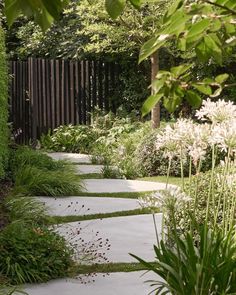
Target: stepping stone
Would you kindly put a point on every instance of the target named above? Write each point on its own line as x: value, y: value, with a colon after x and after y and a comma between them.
x: 129, y: 234
x: 88, y: 169
x: 74, y: 158
x: 131, y: 283
x: 87, y: 205
x: 120, y: 185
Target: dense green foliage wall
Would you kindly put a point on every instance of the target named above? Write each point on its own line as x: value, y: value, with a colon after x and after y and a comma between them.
x: 3, y: 106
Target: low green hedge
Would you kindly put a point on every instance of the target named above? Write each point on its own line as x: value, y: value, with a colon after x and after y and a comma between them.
x: 3, y: 106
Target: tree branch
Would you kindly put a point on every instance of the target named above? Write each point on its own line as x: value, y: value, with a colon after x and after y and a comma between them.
x: 232, y: 11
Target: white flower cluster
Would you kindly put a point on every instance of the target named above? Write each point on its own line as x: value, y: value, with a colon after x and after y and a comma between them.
x: 161, y: 199
x: 186, y: 138
x: 217, y: 112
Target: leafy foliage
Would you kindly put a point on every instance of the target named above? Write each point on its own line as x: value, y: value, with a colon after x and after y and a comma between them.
x: 207, y: 31
x: 70, y: 138
x: 88, y: 31
x: 43, y: 11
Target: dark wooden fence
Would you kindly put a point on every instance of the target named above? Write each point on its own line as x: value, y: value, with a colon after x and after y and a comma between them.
x: 47, y: 93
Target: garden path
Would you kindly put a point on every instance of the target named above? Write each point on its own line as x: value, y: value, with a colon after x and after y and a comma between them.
x: 126, y: 234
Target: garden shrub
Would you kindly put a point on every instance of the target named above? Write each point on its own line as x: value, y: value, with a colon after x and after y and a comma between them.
x: 117, y: 149
x: 32, y: 253
x: 77, y: 139
x: 3, y: 106
x: 152, y: 161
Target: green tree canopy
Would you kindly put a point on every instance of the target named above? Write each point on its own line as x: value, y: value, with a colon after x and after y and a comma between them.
x: 85, y: 29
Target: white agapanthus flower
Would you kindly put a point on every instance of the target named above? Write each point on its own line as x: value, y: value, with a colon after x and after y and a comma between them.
x: 151, y: 201
x: 159, y: 199
x: 184, y: 138
x: 175, y: 139
x: 217, y: 112
x: 167, y: 141
x: 198, y: 147
x: 224, y: 136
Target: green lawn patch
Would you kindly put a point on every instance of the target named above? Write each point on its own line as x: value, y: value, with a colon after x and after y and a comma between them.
x: 73, y: 218
x: 90, y: 176
x: 125, y: 195
x: 110, y: 267
x: 163, y: 179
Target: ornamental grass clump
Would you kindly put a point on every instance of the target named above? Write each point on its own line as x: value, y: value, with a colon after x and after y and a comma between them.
x: 197, y: 252
x: 35, y: 173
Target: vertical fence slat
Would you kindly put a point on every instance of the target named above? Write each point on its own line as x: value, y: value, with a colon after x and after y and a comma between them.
x: 106, y: 87
x: 88, y: 92
x: 72, y: 93
x: 52, y: 71
x: 93, y: 85
x: 77, y: 93
x: 66, y: 94
x: 33, y: 94
x: 62, y: 104
x: 48, y: 97
x: 58, y: 91
x: 27, y: 104
x: 83, y: 93
x: 23, y: 103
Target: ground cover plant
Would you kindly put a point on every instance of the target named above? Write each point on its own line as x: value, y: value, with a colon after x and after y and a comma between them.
x: 197, y: 251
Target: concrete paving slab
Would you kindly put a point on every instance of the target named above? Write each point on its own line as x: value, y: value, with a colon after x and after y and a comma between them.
x: 120, y: 185
x: 87, y: 205
x: 87, y: 169
x: 129, y: 234
x: 73, y: 157
x: 132, y: 283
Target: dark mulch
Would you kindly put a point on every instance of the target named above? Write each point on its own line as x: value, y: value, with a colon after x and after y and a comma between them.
x: 5, y: 187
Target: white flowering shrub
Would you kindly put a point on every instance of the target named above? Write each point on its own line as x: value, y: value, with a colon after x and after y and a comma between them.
x: 153, y: 161
x: 211, y: 196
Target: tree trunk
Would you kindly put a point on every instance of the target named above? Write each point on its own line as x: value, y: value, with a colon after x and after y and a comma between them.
x: 156, y: 114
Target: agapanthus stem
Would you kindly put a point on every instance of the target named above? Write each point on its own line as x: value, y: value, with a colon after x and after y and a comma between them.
x: 168, y: 173
x: 182, y: 167
x: 197, y: 183
x: 216, y: 213
x: 190, y: 174
x: 211, y: 187
x: 155, y: 226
